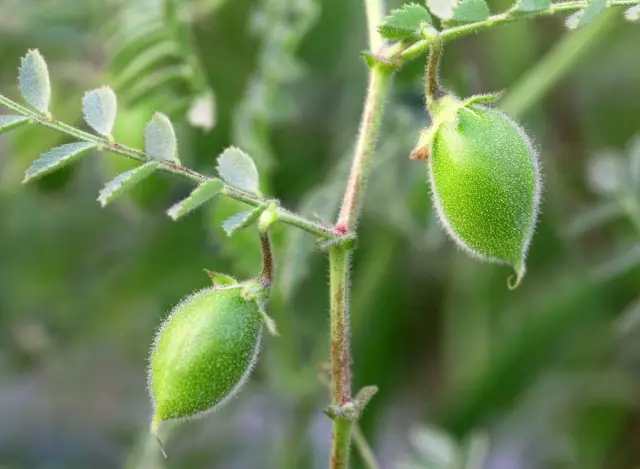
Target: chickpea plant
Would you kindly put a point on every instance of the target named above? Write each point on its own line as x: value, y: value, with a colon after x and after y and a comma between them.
x: 482, y: 168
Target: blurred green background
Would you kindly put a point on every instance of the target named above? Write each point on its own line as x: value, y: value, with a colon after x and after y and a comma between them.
x: 546, y: 376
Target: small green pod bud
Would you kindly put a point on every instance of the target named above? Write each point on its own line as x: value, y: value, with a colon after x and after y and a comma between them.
x: 485, y: 182
x: 203, y: 353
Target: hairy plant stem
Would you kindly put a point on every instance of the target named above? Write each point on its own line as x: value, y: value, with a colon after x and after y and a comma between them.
x: 268, y: 267
x: 401, y: 52
x: 340, y: 254
x: 431, y: 77
x: 105, y: 144
x: 340, y: 354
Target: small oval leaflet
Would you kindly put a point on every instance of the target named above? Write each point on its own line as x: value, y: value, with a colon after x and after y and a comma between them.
x: 11, y: 122
x: 238, y: 169
x: 404, y: 22
x: 467, y: 11
x: 530, y: 6
x: 125, y: 181
x: 160, y: 139
x: 198, y: 196
x: 99, y: 108
x: 58, y: 157
x: 586, y: 16
x: 33, y: 81
x: 203, y: 353
x: 242, y: 220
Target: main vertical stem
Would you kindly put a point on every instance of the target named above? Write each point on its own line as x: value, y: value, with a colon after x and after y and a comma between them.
x: 340, y: 354
x: 369, y: 127
x: 339, y: 254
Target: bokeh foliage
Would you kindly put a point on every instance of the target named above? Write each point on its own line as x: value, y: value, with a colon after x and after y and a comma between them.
x: 547, y: 374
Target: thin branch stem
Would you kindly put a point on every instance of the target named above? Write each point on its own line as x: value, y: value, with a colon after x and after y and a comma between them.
x: 284, y: 215
x: 267, y: 275
x: 369, y: 129
x: 431, y: 78
x: 362, y: 445
x: 400, y: 52
x: 339, y: 255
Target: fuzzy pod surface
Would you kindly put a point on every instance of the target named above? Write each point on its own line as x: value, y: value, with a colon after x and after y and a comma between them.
x: 485, y: 184
x: 203, y: 353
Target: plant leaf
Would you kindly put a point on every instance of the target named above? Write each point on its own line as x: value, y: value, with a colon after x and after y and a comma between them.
x: 99, y: 108
x: 11, y: 122
x: 160, y: 139
x: 242, y: 220
x: 470, y: 10
x: 125, y: 181
x: 586, y: 16
x: 443, y: 9
x: 404, y: 22
x: 632, y: 14
x: 200, y: 195
x: 220, y: 280
x: 144, y: 61
x: 58, y: 157
x: 33, y: 80
x: 529, y: 6
x: 238, y: 169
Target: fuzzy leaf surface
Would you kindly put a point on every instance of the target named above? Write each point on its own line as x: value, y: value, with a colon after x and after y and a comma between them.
x: 99, y: 108
x: 200, y: 195
x: 238, y: 169
x: 58, y: 157
x: 125, y: 181
x: 33, y: 81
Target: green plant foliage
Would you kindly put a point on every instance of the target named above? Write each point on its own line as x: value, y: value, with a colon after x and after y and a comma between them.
x: 528, y: 6
x: 280, y: 26
x: 153, y: 57
x: 238, y: 169
x: 11, y: 122
x: 586, y: 16
x: 242, y: 220
x: 58, y: 157
x: 467, y: 11
x: 99, y: 108
x: 33, y: 80
x: 126, y: 181
x: 201, y: 194
x: 160, y: 139
x: 405, y: 22
x: 462, y: 11
x: 203, y: 353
